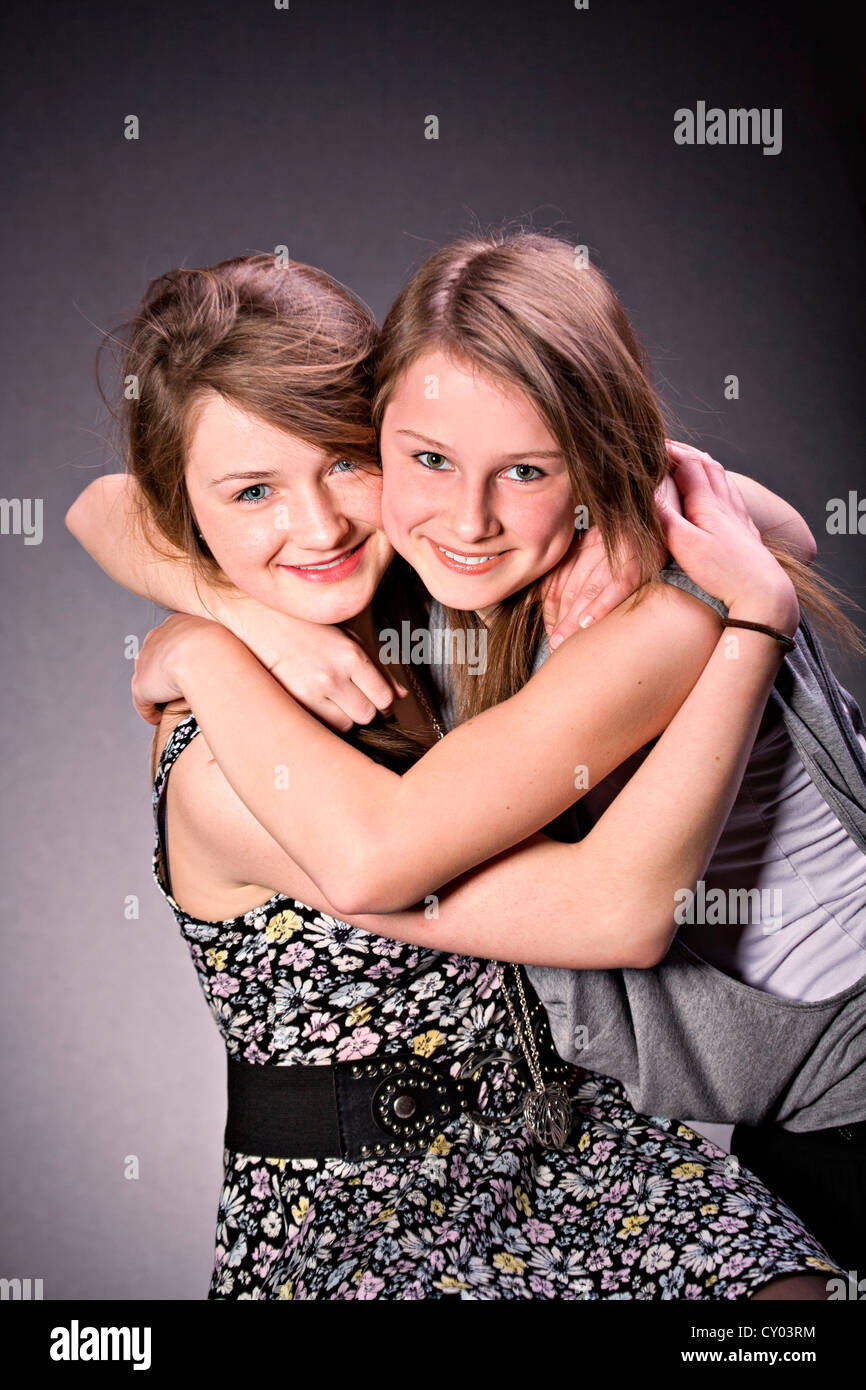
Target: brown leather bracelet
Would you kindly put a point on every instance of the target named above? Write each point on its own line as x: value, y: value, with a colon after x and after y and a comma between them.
x: 787, y: 642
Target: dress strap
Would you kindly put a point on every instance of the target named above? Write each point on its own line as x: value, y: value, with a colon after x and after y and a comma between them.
x: 182, y: 734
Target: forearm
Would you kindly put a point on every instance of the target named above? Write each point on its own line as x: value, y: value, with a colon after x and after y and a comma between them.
x: 373, y: 841
x: 535, y: 903
x: 110, y: 519
x: 776, y: 518
x: 660, y: 832
x: 609, y: 900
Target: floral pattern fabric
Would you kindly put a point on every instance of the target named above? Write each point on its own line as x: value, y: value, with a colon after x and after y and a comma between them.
x: 634, y: 1206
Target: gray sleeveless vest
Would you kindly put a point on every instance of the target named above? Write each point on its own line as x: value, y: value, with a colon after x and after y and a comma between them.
x: 683, y: 1037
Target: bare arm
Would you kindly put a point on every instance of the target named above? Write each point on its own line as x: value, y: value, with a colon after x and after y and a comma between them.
x: 609, y: 900
x: 582, y: 589
x: 701, y: 756
x: 324, y: 668
x: 372, y: 840
x: 112, y: 521
x: 606, y: 901
x: 776, y: 518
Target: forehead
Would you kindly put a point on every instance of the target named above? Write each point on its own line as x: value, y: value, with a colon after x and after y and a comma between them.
x: 439, y: 390
x: 219, y: 429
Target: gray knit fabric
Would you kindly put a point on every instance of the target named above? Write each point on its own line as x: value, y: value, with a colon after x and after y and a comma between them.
x: 686, y: 1039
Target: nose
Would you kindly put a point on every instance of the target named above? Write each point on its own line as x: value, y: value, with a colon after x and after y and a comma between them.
x: 315, y: 523
x: 471, y: 515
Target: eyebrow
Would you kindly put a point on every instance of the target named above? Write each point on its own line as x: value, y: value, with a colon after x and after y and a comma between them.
x: 519, y: 454
x: 259, y: 474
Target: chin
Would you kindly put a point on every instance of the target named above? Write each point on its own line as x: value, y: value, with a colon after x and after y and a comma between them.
x: 334, y: 608
x: 467, y: 594
x: 470, y: 600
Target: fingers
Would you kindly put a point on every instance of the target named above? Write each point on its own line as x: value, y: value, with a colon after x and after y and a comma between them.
x: 676, y: 530
x: 667, y: 492
x: 572, y: 578
x: 692, y: 476
x: 600, y: 594
x: 685, y: 459
x: 356, y: 704
x: 332, y: 715
x: 738, y: 503
x: 571, y: 612
x: 550, y: 595
x: 378, y: 688
x: 149, y: 712
x: 715, y: 472
x: 608, y: 597
x: 349, y: 691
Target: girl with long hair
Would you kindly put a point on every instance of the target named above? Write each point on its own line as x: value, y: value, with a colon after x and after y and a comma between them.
x: 385, y: 1079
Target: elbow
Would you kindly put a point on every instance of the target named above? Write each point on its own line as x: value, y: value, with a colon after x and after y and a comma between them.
x: 643, y: 955
x: 81, y: 512
x: 368, y: 900
x: 358, y: 885
x: 624, y: 951
x: 74, y: 519
x: 648, y: 948
x: 797, y: 539
x: 808, y: 546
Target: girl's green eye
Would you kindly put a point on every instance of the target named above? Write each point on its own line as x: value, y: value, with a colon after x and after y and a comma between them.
x: 436, y: 460
x: 527, y: 472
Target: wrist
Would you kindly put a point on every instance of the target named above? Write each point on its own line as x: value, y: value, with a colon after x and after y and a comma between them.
x: 779, y: 610
x: 231, y: 607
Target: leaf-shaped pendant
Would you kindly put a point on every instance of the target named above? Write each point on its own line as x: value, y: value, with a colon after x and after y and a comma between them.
x: 547, y: 1115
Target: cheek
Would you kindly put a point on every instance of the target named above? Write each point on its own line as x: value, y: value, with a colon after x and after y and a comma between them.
x: 561, y: 537
x: 544, y: 524
x: 546, y: 532
x: 398, y: 505
x: 360, y: 499
x: 240, y: 545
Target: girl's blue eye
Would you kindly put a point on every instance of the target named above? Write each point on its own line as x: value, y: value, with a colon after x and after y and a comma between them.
x: 251, y: 501
x: 344, y: 464
x: 433, y: 465
x: 531, y: 468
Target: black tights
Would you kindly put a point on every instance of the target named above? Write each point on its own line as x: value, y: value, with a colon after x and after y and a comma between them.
x: 821, y: 1174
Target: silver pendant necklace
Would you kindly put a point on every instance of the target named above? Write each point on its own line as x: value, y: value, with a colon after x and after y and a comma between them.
x: 547, y: 1110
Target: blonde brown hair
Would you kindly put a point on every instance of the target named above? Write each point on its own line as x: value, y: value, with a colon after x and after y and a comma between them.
x: 526, y: 308
x: 287, y: 343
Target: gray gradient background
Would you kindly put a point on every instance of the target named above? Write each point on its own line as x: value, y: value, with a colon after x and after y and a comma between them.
x: 305, y: 127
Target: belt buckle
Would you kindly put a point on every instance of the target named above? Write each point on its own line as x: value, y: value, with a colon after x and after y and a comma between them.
x: 406, y: 1098
x: 413, y: 1096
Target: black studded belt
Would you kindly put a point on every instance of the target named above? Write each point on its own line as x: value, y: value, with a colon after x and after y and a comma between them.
x: 389, y: 1103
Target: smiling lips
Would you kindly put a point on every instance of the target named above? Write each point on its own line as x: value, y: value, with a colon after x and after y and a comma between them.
x: 329, y: 570
x: 464, y: 563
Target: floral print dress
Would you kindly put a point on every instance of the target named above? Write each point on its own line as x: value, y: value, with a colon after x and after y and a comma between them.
x: 633, y: 1207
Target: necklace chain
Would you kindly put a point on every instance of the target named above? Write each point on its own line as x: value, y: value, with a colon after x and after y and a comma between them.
x: 523, y: 1030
